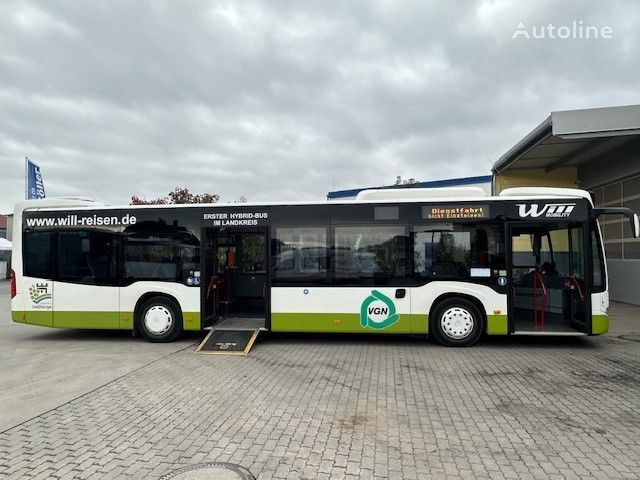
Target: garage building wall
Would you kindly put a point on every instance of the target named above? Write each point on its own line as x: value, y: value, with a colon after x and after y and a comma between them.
x: 615, y: 181
x: 529, y: 177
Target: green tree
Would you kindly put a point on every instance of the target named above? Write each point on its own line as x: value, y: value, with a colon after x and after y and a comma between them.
x: 179, y: 195
x: 136, y: 200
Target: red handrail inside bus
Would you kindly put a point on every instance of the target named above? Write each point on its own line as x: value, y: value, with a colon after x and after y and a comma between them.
x: 573, y: 284
x: 539, y: 310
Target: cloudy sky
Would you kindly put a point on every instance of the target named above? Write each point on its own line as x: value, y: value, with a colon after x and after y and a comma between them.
x: 289, y: 99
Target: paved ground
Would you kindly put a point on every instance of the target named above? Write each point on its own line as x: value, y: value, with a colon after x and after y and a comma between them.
x: 41, y: 368
x: 331, y: 407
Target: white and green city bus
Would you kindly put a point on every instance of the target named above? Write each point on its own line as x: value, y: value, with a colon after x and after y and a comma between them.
x: 452, y: 263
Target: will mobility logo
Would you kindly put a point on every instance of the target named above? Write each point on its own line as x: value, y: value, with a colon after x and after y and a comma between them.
x: 40, y: 296
x: 548, y: 210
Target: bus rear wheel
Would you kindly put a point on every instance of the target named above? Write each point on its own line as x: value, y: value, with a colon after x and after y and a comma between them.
x: 159, y: 320
x: 456, y: 322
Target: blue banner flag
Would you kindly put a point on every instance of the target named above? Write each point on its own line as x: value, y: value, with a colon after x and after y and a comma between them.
x: 35, y: 184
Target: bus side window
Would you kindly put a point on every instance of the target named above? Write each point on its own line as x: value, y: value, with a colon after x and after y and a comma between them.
x: 87, y: 257
x: 159, y: 251
x: 300, y: 253
x: 370, y: 252
x: 452, y: 252
x: 37, y: 256
x: 150, y: 259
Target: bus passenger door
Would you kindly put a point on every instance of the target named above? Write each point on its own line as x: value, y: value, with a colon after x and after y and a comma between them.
x: 549, y: 287
x: 213, y: 262
x: 251, y: 283
x: 235, y: 276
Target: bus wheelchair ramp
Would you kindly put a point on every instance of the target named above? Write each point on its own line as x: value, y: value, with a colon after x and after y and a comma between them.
x: 228, y: 342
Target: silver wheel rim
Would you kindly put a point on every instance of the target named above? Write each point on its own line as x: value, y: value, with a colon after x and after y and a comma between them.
x: 158, y: 320
x: 457, y: 323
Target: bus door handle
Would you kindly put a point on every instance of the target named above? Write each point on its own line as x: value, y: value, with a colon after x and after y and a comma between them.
x: 401, y: 292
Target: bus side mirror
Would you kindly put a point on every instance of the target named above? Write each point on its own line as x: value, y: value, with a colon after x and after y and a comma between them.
x: 627, y: 212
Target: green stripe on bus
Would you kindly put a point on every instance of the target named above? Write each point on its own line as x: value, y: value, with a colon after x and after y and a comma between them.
x: 106, y: 320
x: 33, y: 317
x: 497, y: 325
x: 350, y: 323
x: 67, y: 319
x: 91, y: 320
x: 343, y: 322
x: 599, y: 324
x: 191, y: 321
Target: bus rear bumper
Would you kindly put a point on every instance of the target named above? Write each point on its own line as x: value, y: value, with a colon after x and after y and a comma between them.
x: 17, y: 316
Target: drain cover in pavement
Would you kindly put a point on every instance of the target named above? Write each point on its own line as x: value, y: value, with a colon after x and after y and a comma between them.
x: 210, y: 471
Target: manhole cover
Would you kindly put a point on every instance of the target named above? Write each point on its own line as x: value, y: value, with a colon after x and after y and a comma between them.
x: 210, y: 471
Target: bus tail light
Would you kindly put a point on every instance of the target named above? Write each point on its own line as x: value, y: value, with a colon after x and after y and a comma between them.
x: 13, y: 284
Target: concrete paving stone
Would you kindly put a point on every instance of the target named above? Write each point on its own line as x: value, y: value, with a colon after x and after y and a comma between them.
x: 313, y: 406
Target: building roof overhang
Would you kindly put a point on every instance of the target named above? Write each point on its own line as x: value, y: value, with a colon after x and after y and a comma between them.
x: 571, y: 137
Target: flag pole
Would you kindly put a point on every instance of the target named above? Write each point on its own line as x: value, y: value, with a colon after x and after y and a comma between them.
x: 26, y: 178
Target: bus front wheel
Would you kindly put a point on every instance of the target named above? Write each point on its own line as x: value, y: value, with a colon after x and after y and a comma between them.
x: 159, y: 320
x: 456, y: 322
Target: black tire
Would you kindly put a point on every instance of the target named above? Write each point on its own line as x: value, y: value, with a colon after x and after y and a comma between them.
x: 159, y: 320
x: 456, y: 322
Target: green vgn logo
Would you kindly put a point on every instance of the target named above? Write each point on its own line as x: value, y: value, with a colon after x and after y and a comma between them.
x: 378, y: 311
